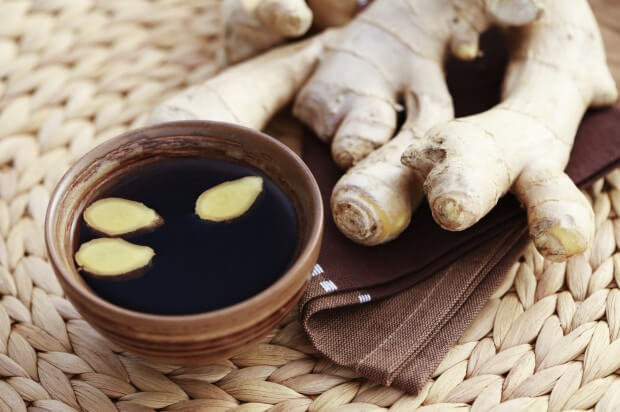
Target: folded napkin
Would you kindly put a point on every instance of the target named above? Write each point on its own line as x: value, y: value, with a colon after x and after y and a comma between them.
x: 391, y: 312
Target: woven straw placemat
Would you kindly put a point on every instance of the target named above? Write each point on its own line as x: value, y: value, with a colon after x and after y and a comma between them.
x: 74, y: 73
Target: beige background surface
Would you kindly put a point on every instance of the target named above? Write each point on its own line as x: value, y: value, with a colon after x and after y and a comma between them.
x: 74, y: 73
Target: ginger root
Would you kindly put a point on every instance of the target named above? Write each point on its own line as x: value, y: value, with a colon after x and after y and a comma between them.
x: 113, y: 257
x: 229, y: 200
x: 248, y: 93
x: 113, y: 216
x: 252, y: 26
x: 393, y: 52
x: 557, y: 69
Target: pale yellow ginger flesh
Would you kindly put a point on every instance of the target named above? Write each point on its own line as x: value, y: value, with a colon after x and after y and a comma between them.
x: 557, y: 69
x: 109, y: 257
x: 229, y: 200
x: 114, y: 216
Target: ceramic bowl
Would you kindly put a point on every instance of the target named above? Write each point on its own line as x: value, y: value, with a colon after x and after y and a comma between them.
x: 198, y: 338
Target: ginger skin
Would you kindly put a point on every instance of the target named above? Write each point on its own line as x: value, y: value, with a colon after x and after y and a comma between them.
x: 252, y: 26
x: 249, y: 93
x: 525, y: 141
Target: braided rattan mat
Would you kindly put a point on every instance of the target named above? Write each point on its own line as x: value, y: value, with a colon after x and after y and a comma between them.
x: 76, y: 72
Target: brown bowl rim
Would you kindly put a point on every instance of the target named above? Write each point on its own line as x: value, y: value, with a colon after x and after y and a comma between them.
x: 278, y: 288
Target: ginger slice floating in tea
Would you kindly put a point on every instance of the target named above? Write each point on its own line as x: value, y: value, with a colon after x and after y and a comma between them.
x: 113, y: 216
x: 229, y: 200
x: 111, y: 257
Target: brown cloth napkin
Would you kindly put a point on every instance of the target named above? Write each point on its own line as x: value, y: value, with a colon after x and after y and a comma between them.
x: 391, y: 312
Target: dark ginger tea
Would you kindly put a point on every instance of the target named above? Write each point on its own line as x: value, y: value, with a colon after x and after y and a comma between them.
x: 198, y: 265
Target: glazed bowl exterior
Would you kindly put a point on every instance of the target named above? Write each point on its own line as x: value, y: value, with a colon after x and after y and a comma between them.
x: 197, y: 338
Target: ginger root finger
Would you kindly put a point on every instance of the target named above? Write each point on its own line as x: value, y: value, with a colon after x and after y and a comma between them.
x: 289, y: 18
x: 229, y: 200
x: 249, y: 93
x: 372, y: 202
x: 469, y: 163
x: 113, y: 257
x: 465, y: 168
x: 343, y: 83
x: 368, y: 61
x: 113, y: 216
x: 252, y: 26
x: 559, y: 216
x: 367, y: 126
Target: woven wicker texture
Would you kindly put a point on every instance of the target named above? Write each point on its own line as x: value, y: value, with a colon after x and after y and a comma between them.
x: 74, y: 73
